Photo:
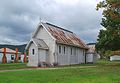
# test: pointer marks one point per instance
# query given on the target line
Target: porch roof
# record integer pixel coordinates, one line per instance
(38, 42)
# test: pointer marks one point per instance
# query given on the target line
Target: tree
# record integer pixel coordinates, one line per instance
(109, 37)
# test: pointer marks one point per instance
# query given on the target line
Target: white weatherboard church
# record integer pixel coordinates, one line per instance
(52, 45)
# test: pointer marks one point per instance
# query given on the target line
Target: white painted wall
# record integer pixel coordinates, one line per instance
(81, 56)
(42, 55)
(67, 58)
(1, 55)
(44, 34)
(63, 58)
(33, 59)
(74, 56)
(8, 56)
(89, 58)
(115, 57)
(22, 58)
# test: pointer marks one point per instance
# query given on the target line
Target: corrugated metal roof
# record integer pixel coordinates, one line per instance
(116, 53)
(40, 43)
(64, 36)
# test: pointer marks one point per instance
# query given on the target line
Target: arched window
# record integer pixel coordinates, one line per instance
(12, 57)
(59, 49)
(64, 50)
(71, 51)
(33, 51)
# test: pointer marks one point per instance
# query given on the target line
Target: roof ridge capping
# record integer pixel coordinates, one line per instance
(91, 43)
(59, 27)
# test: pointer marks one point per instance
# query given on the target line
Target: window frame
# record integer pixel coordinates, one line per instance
(75, 53)
(59, 49)
(12, 57)
(64, 50)
(19, 58)
(71, 51)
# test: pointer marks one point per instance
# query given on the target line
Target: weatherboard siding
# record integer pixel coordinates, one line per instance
(44, 34)
(81, 56)
(1, 55)
(8, 56)
(77, 56)
(33, 59)
(115, 58)
(42, 55)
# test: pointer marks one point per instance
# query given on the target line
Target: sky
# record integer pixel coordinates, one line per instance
(19, 18)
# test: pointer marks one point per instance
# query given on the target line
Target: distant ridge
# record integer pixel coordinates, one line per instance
(21, 48)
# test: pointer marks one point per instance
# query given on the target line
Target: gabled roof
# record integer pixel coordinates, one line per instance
(64, 36)
(8, 50)
(38, 42)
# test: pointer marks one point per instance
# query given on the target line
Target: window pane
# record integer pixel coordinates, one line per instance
(19, 57)
(33, 51)
(74, 51)
(59, 49)
(71, 51)
(64, 49)
(12, 57)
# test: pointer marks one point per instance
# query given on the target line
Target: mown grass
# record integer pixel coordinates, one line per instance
(12, 66)
(104, 72)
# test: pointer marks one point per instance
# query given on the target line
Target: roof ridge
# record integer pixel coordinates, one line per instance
(59, 27)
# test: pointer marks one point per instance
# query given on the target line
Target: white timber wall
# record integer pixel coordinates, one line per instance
(8, 56)
(73, 55)
(66, 57)
(22, 58)
(62, 58)
(114, 58)
(33, 59)
(81, 55)
(42, 55)
(1, 55)
(44, 34)
(89, 58)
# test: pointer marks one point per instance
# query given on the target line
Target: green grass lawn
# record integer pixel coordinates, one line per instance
(104, 72)
(12, 66)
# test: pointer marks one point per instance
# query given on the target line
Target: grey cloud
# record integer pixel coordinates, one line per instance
(19, 18)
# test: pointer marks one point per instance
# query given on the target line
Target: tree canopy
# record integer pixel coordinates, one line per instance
(109, 37)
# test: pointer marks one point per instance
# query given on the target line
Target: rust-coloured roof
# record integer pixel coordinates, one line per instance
(7, 50)
(116, 53)
(64, 36)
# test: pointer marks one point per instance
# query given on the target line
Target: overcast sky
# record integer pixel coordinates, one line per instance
(19, 18)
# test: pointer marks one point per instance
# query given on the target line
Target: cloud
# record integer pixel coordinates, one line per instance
(19, 18)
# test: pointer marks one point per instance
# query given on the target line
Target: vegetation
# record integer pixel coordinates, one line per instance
(103, 72)
(109, 37)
